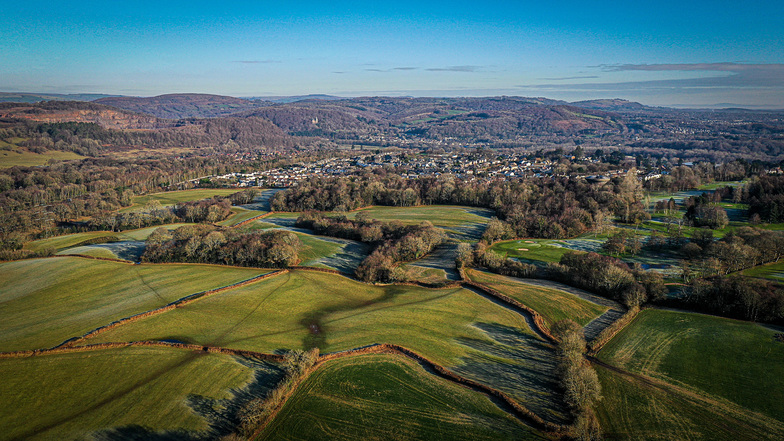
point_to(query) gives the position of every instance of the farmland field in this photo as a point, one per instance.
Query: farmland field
(24, 158)
(467, 222)
(46, 301)
(553, 304)
(175, 197)
(634, 410)
(118, 392)
(389, 397)
(70, 240)
(327, 311)
(735, 360)
(772, 271)
(454, 327)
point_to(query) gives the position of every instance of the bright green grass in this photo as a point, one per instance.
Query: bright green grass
(46, 301)
(377, 397)
(68, 396)
(175, 197)
(454, 218)
(240, 214)
(24, 158)
(69, 240)
(633, 410)
(90, 251)
(314, 248)
(545, 250)
(552, 303)
(303, 309)
(736, 360)
(772, 271)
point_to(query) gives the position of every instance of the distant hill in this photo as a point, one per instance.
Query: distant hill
(294, 99)
(184, 105)
(611, 105)
(24, 97)
(77, 111)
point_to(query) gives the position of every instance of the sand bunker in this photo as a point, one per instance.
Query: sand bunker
(522, 249)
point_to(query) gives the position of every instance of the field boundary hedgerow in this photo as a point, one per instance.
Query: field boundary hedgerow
(255, 218)
(175, 304)
(604, 337)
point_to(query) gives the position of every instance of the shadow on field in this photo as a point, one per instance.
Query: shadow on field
(518, 364)
(221, 415)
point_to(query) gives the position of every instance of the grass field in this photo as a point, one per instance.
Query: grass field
(464, 221)
(175, 197)
(634, 410)
(772, 271)
(314, 248)
(304, 309)
(735, 360)
(46, 301)
(545, 250)
(377, 397)
(24, 158)
(553, 304)
(69, 240)
(68, 396)
(238, 215)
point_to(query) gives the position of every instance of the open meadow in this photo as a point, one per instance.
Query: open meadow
(46, 301)
(389, 397)
(124, 393)
(738, 361)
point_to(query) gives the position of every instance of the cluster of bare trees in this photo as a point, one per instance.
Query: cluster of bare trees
(208, 244)
(578, 379)
(393, 241)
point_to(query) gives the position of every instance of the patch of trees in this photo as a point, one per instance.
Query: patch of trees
(766, 198)
(205, 243)
(609, 277)
(742, 248)
(539, 207)
(704, 211)
(739, 297)
(480, 256)
(393, 242)
(578, 380)
(205, 210)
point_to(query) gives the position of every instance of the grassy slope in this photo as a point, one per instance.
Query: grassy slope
(553, 304)
(633, 410)
(735, 360)
(772, 271)
(531, 249)
(174, 197)
(303, 309)
(314, 248)
(66, 396)
(24, 158)
(384, 397)
(454, 327)
(69, 240)
(452, 218)
(46, 301)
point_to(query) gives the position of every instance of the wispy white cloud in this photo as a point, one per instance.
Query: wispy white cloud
(467, 68)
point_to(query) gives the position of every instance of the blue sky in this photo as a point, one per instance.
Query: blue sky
(695, 53)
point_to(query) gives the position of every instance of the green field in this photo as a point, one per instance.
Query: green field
(631, 409)
(68, 396)
(465, 221)
(314, 248)
(175, 197)
(24, 158)
(545, 250)
(69, 240)
(303, 309)
(553, 304)
(734, 360)
(240, 214)
(377, 397)
(46, 301)
(772, 271)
